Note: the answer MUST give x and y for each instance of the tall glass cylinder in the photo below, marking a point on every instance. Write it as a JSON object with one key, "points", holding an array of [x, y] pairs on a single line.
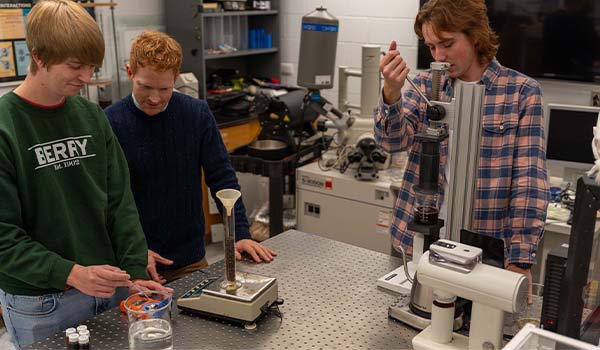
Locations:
{"points": [[228, 197], [229, 247]]}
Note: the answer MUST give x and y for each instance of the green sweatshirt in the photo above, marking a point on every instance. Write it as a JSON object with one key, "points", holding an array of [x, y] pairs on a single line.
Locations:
{"points": [[65, 196]]}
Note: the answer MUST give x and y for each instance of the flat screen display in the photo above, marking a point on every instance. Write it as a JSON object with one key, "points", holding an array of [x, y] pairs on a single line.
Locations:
{"points": [[570, 134]]}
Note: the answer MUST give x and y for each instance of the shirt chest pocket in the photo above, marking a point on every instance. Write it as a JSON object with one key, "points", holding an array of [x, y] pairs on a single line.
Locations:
{"points": [[498, 137]]}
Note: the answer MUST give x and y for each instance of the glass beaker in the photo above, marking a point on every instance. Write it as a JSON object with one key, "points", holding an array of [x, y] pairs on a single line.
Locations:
{"points": [[149, 316], [530, 313], [426, 207]]}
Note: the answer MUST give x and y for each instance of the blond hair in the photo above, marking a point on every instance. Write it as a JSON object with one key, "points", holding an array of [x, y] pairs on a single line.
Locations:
{"points": [[466, 16], [61, 29], [156, 50]]}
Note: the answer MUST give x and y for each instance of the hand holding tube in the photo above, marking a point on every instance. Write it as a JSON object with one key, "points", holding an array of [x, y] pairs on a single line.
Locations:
{"points": [[395, 71]]}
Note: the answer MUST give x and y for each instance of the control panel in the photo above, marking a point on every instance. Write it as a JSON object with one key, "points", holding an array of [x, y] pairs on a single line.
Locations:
{"points": [[454, 255]]}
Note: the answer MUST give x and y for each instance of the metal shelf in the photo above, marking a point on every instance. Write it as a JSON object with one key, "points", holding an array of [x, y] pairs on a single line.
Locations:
{"points": [[241, 53], [239, 13], [211, 29]]}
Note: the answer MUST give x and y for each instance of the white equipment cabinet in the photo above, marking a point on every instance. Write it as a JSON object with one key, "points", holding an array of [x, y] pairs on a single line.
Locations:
{"points": [[339, 207]]}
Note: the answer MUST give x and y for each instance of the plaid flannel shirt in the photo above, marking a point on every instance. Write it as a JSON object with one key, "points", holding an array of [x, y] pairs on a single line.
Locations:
{"points": [[512, 189]]}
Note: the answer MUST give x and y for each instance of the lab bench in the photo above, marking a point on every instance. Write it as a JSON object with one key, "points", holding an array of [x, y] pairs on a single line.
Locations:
{"points": [[330, 302]]}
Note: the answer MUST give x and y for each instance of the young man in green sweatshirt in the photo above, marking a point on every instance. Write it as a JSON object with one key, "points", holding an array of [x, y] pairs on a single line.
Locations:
{"points": [[71, 242]]}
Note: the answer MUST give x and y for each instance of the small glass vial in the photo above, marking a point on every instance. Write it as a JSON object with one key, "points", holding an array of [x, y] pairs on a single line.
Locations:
{"points": [[84, 342], [68, 332], [73, 343], [81, 327], [84, 332]]}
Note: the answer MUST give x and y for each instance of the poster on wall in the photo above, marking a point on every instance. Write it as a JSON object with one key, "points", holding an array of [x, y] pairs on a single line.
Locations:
{"points": [[14, 56], [7, 60], [22, 57]]}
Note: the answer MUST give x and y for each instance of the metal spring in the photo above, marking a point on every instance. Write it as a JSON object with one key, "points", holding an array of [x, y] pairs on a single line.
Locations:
{"points": [[436, 79]]}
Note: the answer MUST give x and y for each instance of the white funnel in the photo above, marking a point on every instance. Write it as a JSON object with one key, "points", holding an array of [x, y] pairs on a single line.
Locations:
{"points": [[228, 198]]}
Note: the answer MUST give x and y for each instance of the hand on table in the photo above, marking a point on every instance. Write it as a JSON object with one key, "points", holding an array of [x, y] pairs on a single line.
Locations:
{"points": [[257, 251], [153, 259]]}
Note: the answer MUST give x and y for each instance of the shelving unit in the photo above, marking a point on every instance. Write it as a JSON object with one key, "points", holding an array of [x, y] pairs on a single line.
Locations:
{"points": [[197, 32]]}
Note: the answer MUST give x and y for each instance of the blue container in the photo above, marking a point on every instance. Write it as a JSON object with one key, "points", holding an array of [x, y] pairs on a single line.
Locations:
{"points": [[555, 194], [269, 41], [253, 38], [262, 40]]}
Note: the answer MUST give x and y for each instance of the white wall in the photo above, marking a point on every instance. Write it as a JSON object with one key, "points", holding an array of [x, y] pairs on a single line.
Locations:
{"points": [[378, 22], [132, 17], [135, 15]]}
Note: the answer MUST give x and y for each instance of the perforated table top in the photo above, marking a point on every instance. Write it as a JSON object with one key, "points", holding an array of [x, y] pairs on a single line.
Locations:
{"points": [[331, 302]]}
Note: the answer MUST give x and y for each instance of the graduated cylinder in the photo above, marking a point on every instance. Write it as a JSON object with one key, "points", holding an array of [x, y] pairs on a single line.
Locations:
{"points": [[228, 198]]}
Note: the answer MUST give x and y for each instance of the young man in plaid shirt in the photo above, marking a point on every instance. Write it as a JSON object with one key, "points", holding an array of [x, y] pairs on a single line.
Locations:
{"points": [[512, 190]]}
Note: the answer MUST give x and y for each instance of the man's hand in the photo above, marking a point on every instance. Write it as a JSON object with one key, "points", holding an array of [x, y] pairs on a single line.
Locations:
{"points": [[140, 285], [97, 280], [153, 259], [527, 273], [394, 70], [257, 251]]}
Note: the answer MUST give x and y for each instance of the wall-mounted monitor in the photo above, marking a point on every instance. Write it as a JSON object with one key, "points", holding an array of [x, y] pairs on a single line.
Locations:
{"points": [[569, 135]]}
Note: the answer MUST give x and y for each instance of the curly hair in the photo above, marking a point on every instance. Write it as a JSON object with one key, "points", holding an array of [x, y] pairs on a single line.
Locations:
{"points": [[156, 50], [466, 16]]}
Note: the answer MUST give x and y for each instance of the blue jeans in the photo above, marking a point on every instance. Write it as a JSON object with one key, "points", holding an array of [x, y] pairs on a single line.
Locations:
{"points": [[30, 319]]}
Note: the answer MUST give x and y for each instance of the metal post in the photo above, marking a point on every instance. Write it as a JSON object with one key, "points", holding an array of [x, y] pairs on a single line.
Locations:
{"points": [[370, 82], [112, 17], [275, 198], [342, 89], [464, 120]]}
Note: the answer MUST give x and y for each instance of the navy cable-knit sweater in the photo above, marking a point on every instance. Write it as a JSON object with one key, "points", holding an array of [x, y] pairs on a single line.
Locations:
{"points": [[166, 153]]}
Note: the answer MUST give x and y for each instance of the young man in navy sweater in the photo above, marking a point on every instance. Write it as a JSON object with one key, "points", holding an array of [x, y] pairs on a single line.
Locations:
{"points": [[168, 139]]}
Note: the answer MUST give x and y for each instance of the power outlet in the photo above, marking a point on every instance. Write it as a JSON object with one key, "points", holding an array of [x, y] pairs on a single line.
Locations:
{"points": [[595, 98], [287, 69]]}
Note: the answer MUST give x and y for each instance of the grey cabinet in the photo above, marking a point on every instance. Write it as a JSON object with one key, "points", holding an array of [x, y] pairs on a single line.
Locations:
{"points": [[200, 33]]}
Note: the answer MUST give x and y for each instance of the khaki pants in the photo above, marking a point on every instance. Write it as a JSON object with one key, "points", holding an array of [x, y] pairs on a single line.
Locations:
{"points": [[172, 275]]}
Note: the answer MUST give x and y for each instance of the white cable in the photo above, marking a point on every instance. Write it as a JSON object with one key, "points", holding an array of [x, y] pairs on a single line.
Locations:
{"points": [[342, 155], [595, 170]]}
